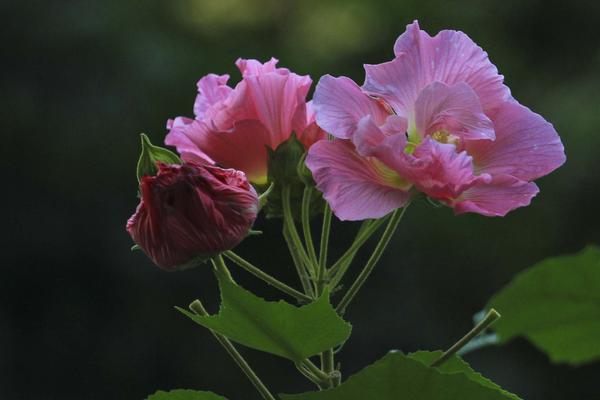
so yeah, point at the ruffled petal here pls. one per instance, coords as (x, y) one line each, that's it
(212, 89)
(279, 102)
(438, 170)
(243, 148)
(313, 132)
(181, 131)
(454, 109)
(340, 104)
(392, 81)
(449, 57)
(367, 137)
(351, 184)
(526, 145)
(250, 67)
(496, 198)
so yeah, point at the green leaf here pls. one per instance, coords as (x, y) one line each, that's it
(456, 364)
(397, 376)
(275, 327)
(152, 154)
(184, 394)
(556, 305)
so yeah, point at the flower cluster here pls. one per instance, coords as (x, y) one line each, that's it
(436, 120)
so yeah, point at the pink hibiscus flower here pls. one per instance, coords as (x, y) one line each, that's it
(233, 126)
(437, 119)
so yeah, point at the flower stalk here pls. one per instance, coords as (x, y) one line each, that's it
(290, 226)
(197, 307)
(308, 241)
(259, 273)
(491, 317)
(300, 269)
(379, 249)
(324, 246)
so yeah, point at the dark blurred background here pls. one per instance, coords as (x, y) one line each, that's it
(83, 317)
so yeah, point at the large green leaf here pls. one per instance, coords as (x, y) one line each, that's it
(556, 305)
(458, 365)
(275, 327)
(184, 394)
(397, 376)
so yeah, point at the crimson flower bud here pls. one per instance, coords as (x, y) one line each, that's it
(191, 212)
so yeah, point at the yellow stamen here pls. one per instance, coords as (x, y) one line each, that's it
(445, 137)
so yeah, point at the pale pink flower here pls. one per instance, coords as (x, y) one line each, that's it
(233, 126)
(436, 119)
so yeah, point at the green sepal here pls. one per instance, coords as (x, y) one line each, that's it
(283, 161)
(286, 167)
(151, 155)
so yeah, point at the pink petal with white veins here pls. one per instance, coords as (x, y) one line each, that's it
(352, 185)
(340, 103)
(441, 172)
(502, 194)
(454, 109)
(449, 57)
(526, 145)
(212, 89)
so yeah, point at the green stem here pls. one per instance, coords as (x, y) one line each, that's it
(359, 241)
(219, 264)
(302, 273)
(308, 241)
(338, 274)
(199, 309)
(379, 249)
(489, 319)
(324, 246)
(316, 371)
(328, 364)
(290, 225)
(478, 342)
(311, 377)
(266, 277)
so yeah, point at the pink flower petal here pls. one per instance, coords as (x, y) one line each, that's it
(502, 194)
(313, 132)
(340, 104)
(181, 132)
(526, 146)
(255, 67)
(436, 169)
(212, 89)
(279, 102)
(455, 109)
(370, 138)
(449, 57)
(367, 137)
(352, 185)
(243, 148)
